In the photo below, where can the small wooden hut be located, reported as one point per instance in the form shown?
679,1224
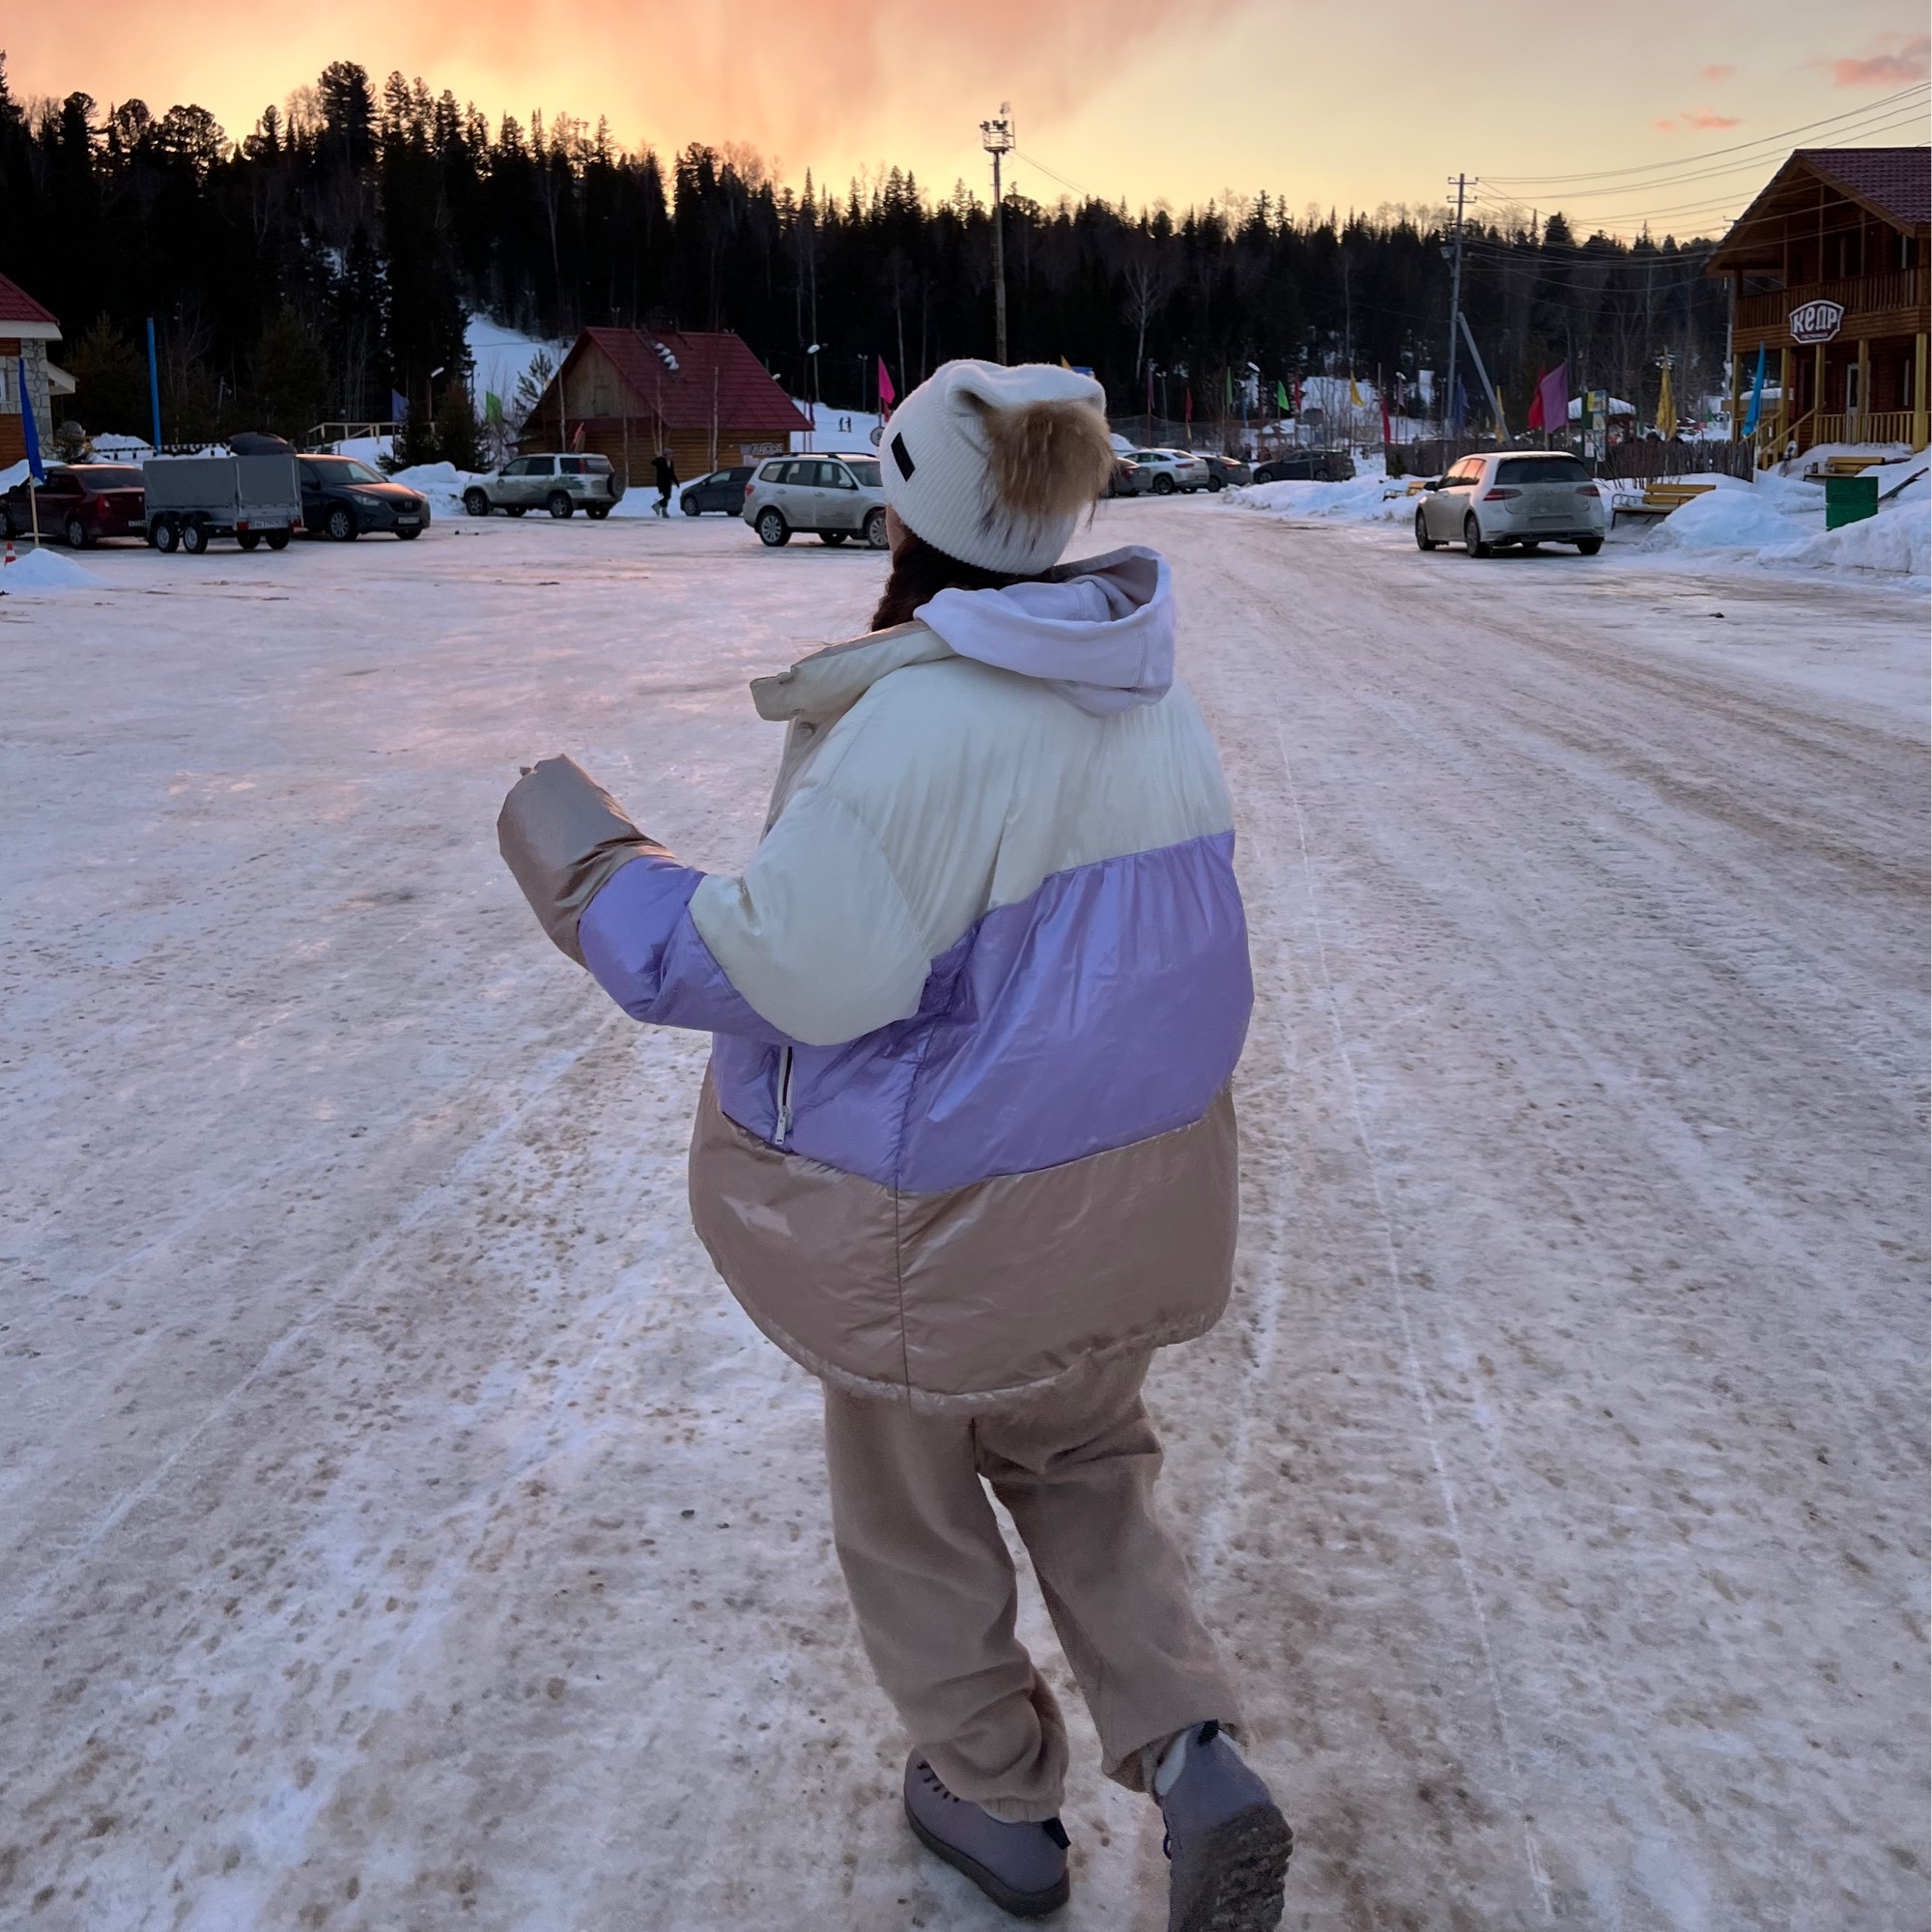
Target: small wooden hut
628,393
26,331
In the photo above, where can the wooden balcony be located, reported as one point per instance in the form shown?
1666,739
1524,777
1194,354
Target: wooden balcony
1898,303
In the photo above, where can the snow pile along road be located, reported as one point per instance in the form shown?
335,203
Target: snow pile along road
45,573
1780,520
1363,501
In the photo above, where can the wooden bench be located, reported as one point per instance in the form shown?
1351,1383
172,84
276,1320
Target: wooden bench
1847,465
1416,485
1659,499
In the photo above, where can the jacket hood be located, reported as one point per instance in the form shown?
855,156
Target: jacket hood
1098,632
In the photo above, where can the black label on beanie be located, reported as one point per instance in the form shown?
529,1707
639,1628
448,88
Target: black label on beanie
902,456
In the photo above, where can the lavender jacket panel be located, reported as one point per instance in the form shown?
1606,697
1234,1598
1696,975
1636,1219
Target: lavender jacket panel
639,944
1109,1007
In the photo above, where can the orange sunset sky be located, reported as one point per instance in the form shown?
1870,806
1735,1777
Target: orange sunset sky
1324,103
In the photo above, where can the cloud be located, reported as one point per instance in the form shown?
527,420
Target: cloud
1698,118
1720,72
1898,61
836,82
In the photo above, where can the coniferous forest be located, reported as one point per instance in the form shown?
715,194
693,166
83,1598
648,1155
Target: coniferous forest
304,269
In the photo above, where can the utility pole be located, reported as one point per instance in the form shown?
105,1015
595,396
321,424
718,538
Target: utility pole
1455,307
996,136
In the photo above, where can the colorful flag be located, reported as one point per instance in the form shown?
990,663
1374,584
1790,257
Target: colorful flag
1187,412
888,395
1228,388
1758,395
493,407
399,406
1355,394
1281,401
1549,409
1387,436
576,440
1666,407
30,429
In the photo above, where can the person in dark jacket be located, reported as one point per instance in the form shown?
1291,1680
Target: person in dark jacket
665,471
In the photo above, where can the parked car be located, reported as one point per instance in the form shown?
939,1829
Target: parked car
1129,478
723,490
81,503
1519,498
1227,473
342,498
193,499
832,496
1172,470
560,484
1308,466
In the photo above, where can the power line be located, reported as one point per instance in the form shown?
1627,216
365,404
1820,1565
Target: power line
1888,102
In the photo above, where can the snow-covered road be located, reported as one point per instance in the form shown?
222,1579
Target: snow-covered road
400,1528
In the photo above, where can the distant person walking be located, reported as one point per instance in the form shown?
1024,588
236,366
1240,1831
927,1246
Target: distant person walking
665,468
967,1146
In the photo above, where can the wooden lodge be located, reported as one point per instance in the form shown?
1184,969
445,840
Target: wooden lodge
26,331
1829,275
628,393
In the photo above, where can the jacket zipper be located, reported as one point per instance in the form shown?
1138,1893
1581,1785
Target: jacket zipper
784,1095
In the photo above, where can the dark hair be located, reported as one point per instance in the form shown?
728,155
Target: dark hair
921,572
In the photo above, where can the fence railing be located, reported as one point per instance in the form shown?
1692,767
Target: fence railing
1858,296
323,435
1863,426
1624,460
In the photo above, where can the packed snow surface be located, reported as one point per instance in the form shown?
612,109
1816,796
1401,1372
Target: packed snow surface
403,1528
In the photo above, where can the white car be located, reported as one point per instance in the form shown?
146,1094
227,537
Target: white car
833,496
1516,497
1172,470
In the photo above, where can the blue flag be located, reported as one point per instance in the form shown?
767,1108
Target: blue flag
30,429
1758,395
399,406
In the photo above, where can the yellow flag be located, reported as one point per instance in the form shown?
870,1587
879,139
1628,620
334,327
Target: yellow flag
1355,394
1666,407
1064,363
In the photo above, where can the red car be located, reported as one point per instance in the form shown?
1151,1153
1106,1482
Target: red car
82,502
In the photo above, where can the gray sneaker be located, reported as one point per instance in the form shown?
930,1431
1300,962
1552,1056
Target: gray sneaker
1227,1843
1022,1868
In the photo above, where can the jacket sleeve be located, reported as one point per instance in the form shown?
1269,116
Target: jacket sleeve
814,943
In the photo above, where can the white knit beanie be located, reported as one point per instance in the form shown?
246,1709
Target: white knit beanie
996,465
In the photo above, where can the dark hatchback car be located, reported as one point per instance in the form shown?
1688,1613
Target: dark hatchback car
723,490
81,503
1308,466
342,498
1227,472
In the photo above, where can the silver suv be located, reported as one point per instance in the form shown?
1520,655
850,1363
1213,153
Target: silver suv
834,497
558,484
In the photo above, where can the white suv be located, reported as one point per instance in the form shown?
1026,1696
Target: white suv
834,497
1172,470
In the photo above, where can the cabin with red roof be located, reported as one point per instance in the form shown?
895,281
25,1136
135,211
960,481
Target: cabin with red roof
26,331
628,393
1829,276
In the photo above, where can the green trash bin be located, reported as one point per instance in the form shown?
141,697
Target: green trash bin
1850,500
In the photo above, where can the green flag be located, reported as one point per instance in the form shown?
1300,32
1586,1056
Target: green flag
493,407
1281,401
1227,387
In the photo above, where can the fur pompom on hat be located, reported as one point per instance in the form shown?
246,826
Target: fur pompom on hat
996,465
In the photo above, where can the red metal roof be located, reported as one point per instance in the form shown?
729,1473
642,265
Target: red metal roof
746,399
17,306
1894,180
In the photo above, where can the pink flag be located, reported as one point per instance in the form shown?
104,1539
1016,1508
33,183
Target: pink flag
1552,399
888,395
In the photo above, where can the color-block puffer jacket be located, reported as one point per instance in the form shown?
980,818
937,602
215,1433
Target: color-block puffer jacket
976,999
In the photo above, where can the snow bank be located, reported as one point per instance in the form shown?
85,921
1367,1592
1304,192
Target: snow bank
1743,518
1363,501
498,357
45,573
1898,542
14,472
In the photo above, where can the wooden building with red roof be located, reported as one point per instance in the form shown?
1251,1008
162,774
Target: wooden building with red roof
26,331
1830,277
628,393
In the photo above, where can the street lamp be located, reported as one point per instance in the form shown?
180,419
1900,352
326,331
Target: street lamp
996,136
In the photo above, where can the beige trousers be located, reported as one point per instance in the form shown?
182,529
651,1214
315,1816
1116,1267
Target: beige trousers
933,1585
